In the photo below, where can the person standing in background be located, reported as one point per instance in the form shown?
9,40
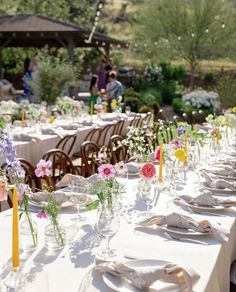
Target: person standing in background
93,93
102,75
114,90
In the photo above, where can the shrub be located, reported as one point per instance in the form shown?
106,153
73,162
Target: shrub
202,99
177,105
226,88
209,77
133,99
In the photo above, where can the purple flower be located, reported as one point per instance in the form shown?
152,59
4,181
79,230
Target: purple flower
180,130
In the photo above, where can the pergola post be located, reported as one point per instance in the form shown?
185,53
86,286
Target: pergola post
70,50
107,52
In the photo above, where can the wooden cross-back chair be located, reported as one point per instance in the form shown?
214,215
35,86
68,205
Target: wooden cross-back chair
136,121
61,164
66,144
119,152
198,117
89,152
30,178
177,119
93,135
118,128
147,119
160,116
105,134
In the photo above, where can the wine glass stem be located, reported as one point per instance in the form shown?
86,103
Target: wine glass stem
107,249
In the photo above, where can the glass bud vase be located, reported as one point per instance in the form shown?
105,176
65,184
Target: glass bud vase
28,232
54,235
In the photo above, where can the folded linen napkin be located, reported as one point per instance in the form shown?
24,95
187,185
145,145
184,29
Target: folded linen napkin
143,277
221,169
218,183
42,197
132,167
186,222
68,178
206,199
70,127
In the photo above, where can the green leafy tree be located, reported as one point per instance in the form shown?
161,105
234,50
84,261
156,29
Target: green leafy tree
190,29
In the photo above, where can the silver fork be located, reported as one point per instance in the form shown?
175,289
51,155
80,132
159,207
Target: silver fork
184,239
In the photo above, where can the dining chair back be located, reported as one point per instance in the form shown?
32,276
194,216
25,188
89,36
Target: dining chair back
118,128
8,204
61,164
118,151
105,134
66,144
146,119
30,178
89,152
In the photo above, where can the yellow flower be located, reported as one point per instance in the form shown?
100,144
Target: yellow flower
113,103
234,109
181,155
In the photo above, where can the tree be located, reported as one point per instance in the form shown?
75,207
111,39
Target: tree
190,29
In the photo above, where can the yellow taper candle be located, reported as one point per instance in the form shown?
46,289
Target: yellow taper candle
105,107
15,233
217,135
160,163
22,119
186,145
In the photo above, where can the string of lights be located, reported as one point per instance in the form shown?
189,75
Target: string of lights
100,5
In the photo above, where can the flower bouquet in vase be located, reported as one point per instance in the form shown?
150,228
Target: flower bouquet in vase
54,234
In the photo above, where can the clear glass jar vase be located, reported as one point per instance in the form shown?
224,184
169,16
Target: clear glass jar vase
54,235
28,232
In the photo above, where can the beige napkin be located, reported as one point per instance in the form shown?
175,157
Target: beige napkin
42,197
221,169
218,183
182,221
132,167
68,178
206,199
144,277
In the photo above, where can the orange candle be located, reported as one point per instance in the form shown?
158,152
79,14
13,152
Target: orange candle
161,163
22,119
15,232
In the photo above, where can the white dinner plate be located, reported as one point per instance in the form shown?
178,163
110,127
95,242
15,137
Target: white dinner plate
220,191
204,208
121,284
182,231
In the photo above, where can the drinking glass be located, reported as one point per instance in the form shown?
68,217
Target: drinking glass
107,226
147,194
127,110
78,196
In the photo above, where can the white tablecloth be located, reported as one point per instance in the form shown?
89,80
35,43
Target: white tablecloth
65,270
34,149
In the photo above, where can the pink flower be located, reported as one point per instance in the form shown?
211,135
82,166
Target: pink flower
43,168
42,214
148,170
176,144
157,154
106,171
3,188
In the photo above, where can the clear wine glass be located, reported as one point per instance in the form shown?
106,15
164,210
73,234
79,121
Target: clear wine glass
78,196
147,194
107,226
127,110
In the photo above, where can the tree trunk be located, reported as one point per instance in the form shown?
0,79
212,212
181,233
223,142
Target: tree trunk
192,72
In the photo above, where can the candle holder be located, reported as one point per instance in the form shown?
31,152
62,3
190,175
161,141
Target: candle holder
13,280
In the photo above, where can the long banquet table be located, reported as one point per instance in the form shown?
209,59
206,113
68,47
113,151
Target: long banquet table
65,270
34,149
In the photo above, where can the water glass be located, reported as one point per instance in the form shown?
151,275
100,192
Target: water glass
107,226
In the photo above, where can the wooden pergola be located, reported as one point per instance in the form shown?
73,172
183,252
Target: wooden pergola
38,31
